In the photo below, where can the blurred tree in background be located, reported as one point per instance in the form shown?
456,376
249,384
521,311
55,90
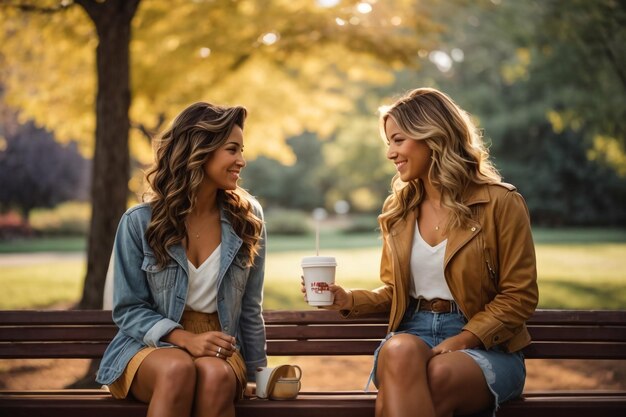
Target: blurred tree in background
540,79
35,170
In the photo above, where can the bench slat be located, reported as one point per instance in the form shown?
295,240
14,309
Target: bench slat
575,350
578,317
91,350
586,333
52,350
69,317
326,332
57,333
103,317
307,405
105,333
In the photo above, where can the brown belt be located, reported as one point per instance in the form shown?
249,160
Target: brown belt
436,305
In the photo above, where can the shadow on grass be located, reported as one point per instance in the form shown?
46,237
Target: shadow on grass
601,295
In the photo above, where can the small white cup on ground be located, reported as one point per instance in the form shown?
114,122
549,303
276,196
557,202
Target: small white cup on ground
319,273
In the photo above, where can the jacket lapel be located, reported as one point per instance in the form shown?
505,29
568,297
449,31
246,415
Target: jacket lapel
178,253
230,246
402,241
476,194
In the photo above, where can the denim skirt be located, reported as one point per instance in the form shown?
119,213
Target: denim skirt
504,372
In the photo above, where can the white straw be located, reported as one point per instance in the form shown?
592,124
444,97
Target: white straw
317,238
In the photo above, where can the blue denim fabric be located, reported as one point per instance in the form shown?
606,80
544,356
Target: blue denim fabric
504,372
148,301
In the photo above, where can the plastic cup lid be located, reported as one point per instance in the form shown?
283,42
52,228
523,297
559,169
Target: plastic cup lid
319,261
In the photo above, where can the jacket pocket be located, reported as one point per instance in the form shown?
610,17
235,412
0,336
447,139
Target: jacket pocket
159,278
238,273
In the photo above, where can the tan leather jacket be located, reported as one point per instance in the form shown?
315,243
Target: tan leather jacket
489,267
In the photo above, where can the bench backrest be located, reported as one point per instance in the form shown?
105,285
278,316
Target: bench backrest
563,334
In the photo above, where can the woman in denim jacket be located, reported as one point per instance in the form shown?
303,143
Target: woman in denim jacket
188,275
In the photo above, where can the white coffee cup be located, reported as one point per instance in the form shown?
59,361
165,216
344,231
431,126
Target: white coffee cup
262,377
319,273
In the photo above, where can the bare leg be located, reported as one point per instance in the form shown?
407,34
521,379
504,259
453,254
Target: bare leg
402,375
457,385
215,389
379,403
166,380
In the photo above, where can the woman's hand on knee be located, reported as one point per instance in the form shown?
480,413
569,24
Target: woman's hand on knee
216,344
463,340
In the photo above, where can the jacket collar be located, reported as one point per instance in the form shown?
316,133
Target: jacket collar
402,232
475,194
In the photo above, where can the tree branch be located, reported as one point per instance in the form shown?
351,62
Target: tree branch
149,132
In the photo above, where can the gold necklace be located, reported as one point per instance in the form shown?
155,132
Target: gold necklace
194,234
201,228
432,206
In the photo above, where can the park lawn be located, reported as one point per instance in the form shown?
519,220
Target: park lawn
575,271
44,244
582,276
42,285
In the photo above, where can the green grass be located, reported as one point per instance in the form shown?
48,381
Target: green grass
571,236
41,286
577,269
44,244
582,276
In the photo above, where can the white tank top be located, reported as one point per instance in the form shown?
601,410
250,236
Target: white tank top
427,279
202,294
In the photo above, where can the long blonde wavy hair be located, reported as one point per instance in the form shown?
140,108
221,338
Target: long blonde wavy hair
178,171
459,156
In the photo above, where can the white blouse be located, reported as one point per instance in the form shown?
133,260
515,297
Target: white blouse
427,278
202,293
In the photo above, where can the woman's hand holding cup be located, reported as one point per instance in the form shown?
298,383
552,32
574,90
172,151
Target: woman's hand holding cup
342,299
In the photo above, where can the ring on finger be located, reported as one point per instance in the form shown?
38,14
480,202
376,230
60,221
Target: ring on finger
219,350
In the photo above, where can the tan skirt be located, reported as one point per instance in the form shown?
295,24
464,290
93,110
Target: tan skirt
191,321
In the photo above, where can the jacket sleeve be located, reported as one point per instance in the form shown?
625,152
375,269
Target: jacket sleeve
251,322
517,293
132,311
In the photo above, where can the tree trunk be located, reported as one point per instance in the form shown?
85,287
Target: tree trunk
111,167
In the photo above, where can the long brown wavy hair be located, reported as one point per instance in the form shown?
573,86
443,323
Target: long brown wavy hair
459,156
178,171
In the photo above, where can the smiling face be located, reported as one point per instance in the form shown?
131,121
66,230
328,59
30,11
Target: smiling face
223,167
411,157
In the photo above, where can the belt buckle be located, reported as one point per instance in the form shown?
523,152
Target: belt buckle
439,306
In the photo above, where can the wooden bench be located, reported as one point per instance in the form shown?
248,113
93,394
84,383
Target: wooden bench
557,334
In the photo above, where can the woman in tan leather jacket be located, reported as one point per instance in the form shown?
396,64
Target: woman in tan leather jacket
458,268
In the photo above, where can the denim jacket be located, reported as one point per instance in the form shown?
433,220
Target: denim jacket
148,301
